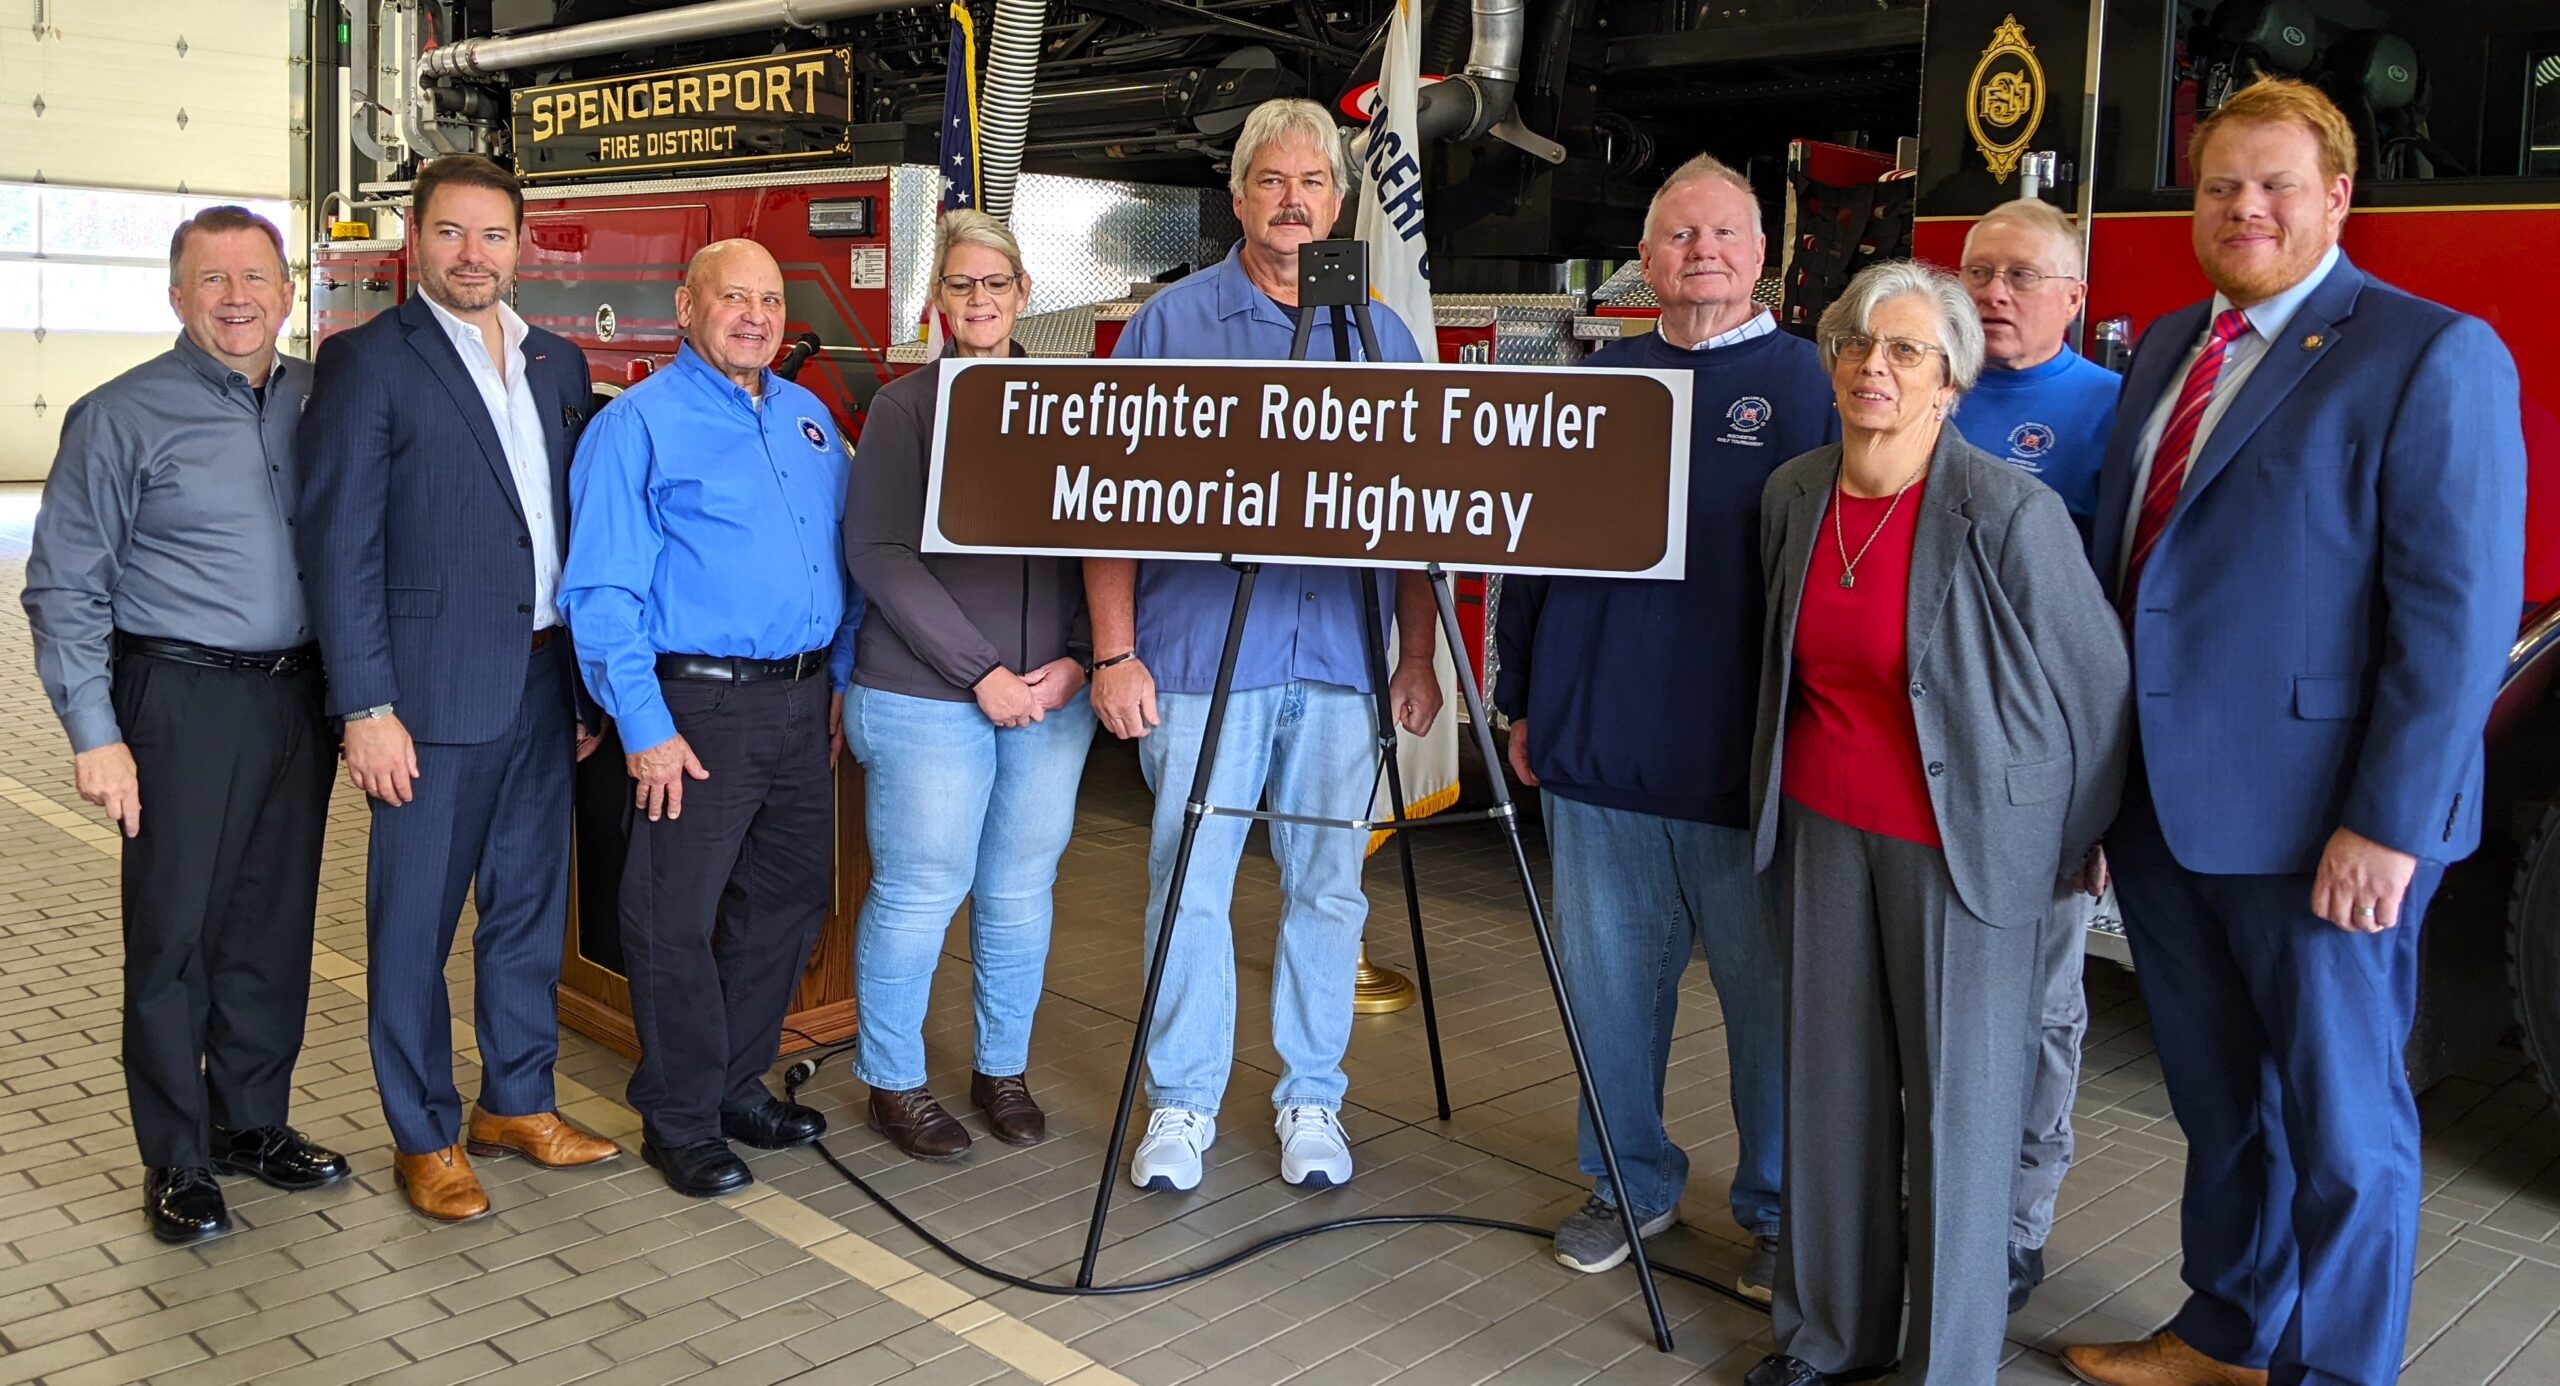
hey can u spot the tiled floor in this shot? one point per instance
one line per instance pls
(608, 1275)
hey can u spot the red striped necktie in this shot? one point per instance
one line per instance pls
(2177, 448)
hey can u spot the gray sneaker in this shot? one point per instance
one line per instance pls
(1595, 1238)
(1759, 1278)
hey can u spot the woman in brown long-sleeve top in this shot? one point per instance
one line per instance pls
(969, 715)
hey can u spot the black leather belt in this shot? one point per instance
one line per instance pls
(299, 660)
(739, 669)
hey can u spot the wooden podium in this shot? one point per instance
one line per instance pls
(595, 998)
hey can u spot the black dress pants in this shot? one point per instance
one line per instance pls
(721, 906)
(219, 892)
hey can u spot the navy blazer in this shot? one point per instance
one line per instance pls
(2325, 621)
(418, 561)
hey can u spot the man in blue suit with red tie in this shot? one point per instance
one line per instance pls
(432, 530)
(2311, 520)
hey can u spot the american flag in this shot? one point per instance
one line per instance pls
(960, 116)
(959, 162)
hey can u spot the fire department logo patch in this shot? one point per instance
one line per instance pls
(2031, 440)
(817, 436)
(1749, 414)
(2004, 101)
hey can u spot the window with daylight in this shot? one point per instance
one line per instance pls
(95, 259)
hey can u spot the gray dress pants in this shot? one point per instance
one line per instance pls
(1905, 1013)
(2053, 1066)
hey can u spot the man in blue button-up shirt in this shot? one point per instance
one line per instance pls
(1300, 722)
(706, 592)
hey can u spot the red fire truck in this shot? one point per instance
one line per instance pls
(646, 128)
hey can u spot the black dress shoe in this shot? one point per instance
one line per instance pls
(277, 1155)
(183, 1203)
(1777, 1369)
(773, 1125)
(704, 1169)
(2026, 1272)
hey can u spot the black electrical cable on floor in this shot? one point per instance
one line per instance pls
(806, 1068)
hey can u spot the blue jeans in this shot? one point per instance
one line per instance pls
(957, 810)
(1312, 746)
(1632, 892)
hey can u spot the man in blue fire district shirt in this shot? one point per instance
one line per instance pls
(1300, 720)
(2045, 409)
(706, 587)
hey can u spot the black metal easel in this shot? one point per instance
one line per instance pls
(1334, 274)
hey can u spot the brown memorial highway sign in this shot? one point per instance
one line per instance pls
(1489, 468)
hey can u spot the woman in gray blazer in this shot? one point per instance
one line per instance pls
(969, 714)
(1943, 712)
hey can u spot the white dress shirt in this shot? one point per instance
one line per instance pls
(2267, 322)
(1761, 324)
(509, 396)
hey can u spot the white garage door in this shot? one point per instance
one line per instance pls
(118, 118)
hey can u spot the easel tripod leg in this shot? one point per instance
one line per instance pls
(1194, 810)
(1509, 816)
(1379, 676)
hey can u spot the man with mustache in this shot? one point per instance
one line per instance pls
(174, 641)
(707, 588)
(2046, 410)
(1300, 721)
(1631, 711)
(431, 526)
(2311, 519)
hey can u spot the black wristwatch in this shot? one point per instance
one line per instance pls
(1099, 665)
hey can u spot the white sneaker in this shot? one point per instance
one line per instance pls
(1169, 1158)
(1314, 1152)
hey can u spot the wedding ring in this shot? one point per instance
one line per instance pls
(2364, 911)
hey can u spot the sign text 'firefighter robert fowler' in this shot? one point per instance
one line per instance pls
(1482, 467)
(749, 111)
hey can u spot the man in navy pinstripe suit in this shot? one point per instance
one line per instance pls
(432, 528)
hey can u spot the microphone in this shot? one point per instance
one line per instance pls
(797, 355)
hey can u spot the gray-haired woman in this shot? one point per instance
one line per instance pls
(969, 715)
(1943, 707)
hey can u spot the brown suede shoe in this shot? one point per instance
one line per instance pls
(2163, 1359)
(546, 1138)
(917, 1125)
(1011, 1114)
(441, 1185)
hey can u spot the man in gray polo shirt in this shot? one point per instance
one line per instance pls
(172, 637)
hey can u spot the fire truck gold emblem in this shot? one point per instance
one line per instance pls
(2004, 103)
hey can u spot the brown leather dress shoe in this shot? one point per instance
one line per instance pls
(441, 1185)
(917, 1125)
(2163, 1359)
(546, 1138)
(1011, 1114)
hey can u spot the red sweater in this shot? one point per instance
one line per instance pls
(1852, 749)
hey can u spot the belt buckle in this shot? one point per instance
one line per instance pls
(800, 666)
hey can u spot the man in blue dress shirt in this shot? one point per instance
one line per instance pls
(2044, 409)
(706, 590)
(1299, 722)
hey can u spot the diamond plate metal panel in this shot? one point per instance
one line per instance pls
(1528, 329)
(1627, 289)
(1084, 240)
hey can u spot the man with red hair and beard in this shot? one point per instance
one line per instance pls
(2310, 518)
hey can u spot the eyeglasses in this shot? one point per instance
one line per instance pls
(959, 284)
(1902, 352)
(2022, 280)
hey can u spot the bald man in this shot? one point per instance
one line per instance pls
(707, 595)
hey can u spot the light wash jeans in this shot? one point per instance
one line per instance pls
(1313, 746)
(1634, 893)
(957, 809)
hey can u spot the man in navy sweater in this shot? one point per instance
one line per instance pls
(1631, 707)
(2045, 409)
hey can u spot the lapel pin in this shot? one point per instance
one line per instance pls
(2312, 342)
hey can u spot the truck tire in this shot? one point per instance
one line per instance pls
(2533, 948)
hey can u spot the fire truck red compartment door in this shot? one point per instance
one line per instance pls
(606, 277)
